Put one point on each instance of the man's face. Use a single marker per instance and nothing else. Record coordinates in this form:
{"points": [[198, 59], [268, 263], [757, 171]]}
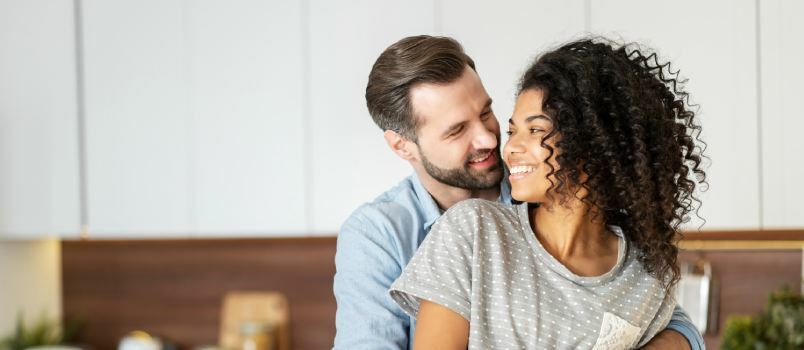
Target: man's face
{"points": [[458, 134]]}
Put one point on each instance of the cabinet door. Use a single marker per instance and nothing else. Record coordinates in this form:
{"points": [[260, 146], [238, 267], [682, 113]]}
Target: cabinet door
{"points": [[194, 118], [39, 182], [350, 163], [137, 117], [781, 54], [247, 138], [504, 40], [714, 45]]}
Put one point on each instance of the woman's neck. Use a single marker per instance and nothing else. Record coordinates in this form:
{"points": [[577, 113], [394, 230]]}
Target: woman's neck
{"points": [[571, 235]]}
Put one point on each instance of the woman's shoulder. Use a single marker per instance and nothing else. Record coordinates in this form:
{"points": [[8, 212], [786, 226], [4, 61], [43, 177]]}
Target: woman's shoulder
{"points": [[474, 216], [475, 207], [636, 272], [473, 211]]}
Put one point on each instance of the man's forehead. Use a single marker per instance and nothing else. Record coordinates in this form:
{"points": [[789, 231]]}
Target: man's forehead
{"points": [[441, 102]]}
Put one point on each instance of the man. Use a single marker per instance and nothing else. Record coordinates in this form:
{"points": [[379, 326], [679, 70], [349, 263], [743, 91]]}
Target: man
{"points": [[426, 96]]}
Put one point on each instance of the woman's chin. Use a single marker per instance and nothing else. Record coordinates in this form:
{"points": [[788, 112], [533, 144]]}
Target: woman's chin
{"points": [[524, 196]]}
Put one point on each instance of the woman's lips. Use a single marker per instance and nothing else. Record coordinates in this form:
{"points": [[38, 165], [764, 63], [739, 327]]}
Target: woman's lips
{"points": [[520, 171], [515, 177]]}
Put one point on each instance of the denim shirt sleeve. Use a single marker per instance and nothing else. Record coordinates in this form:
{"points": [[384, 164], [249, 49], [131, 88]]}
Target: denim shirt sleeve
{"points": [[367, 317], [680, 322]]}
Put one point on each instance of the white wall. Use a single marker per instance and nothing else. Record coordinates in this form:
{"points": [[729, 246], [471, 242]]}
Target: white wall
{"points": [[244, 118], [30, 282], [502, 43], [782, 157], [39, 167], [137, 127], [349, 161], [720, 63], [194, 118]]}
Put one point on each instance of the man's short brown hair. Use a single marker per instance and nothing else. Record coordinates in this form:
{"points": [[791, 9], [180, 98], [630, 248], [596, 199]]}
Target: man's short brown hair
{"points": [[408, 62]]}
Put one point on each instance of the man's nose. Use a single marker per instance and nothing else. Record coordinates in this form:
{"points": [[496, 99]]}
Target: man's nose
{"points": [[485, 139]]}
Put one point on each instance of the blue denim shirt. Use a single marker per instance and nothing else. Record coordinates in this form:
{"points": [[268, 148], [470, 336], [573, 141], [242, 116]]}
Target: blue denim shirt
{"points": [[374, 245]]}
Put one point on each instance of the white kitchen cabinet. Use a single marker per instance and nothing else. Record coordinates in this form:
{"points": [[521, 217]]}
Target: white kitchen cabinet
{"points": [[247, 124], [137, 118], [781, 54], [714, 45], [194, 118], [209, 118], [504, 38], [350, 162], [39, 181]]}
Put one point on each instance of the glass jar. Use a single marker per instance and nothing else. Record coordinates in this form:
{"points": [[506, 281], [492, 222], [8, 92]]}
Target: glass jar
{"points": [[257, 336]]}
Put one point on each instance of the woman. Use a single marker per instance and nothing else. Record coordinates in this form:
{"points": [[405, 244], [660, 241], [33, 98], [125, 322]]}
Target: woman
{"points": [[603, 152]]}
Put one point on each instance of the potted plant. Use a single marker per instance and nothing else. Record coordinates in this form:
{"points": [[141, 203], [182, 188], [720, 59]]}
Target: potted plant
{"points": [[43, 332], [779, 327]]}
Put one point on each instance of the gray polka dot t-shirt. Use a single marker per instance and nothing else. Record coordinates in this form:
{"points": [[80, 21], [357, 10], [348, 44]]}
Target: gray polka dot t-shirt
{"points": [[482, 260]]}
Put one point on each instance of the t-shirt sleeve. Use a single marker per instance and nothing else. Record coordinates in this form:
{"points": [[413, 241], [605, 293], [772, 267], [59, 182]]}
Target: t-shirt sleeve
{"points": [[441, 270], [660, 320]]}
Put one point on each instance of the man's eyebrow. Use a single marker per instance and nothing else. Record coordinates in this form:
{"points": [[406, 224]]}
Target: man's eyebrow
{"points": [[453, 128], [531, 118], [457, 125]]}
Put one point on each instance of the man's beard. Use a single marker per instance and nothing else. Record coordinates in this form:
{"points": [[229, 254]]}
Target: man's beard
{"points": [[465, 177]]}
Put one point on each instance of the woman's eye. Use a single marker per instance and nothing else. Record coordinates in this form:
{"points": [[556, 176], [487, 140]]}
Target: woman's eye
{"points": [[535, 130], [509, 132]]}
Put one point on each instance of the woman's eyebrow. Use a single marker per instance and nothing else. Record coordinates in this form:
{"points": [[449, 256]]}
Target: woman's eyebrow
{"points": [[531, 118]]}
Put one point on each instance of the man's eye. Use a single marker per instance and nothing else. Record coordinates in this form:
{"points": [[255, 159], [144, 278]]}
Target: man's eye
{"points": [[456, 131], [485, 115]]}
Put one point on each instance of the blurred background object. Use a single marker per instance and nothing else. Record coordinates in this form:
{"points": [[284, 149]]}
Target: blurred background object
{"points": [[140, 340], [178, 288], [255, 321], [694, 292], [42, 334], [780, 325]]}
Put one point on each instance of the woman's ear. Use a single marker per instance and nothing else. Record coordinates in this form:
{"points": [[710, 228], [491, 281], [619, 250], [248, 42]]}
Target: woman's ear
{"points": [[400, 145]]}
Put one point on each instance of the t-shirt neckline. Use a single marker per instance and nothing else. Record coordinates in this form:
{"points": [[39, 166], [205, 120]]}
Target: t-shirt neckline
{"points": [[545, 257]]}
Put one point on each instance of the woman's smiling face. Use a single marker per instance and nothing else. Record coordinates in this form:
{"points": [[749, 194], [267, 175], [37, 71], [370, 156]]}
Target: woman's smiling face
{"points": [[524, 153]]}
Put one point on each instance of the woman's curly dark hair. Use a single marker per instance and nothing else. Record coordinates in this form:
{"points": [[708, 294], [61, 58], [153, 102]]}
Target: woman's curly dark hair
{"points": [[623, 119]]}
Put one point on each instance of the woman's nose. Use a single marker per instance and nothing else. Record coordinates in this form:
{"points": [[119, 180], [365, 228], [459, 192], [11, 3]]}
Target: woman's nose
{"points": [[512, 145]]}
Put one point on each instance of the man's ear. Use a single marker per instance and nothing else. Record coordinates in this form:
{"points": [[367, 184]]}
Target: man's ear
{"points": [[400, 145]]}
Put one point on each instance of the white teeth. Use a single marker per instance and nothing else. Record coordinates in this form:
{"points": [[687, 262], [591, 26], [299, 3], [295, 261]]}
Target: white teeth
{"points": [[521, 169], [480, 159]]}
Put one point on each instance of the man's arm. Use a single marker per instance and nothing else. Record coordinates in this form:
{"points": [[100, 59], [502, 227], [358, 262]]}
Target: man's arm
{"points": [[666, 340], [679, 334], [367, 317]]}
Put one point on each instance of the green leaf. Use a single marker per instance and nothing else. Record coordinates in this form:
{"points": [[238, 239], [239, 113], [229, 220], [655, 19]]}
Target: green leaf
{"points": [[42, 332], [780, 326]]}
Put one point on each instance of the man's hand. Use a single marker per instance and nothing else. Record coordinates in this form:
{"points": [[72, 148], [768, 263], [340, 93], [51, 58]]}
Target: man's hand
{"points": [[668, 339]]}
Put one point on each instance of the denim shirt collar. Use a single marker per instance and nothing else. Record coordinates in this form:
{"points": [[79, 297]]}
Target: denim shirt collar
{"points": [[430, 209], [505, 189], [428, 206]]}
